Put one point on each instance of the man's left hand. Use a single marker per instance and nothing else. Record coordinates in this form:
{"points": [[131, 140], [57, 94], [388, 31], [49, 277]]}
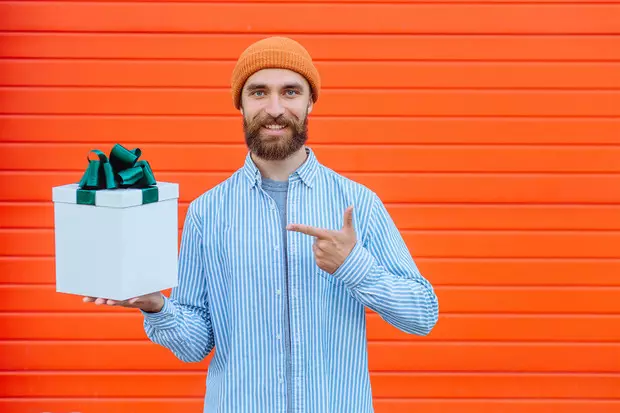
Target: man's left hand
{"points": [[330, 247]]}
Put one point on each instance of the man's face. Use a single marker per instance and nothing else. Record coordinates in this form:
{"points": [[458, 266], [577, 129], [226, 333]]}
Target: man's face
{"points": [[275, 106]]}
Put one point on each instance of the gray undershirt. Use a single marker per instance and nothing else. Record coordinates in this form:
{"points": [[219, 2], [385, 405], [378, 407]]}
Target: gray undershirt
{"points": [[278, 191]]}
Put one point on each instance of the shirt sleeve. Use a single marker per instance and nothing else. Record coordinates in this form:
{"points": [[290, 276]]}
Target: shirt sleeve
{"points": [[183, 325], [383, 276]]}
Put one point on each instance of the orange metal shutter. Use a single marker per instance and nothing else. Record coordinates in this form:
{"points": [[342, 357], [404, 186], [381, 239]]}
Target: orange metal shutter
{"points": [[490, 129]]}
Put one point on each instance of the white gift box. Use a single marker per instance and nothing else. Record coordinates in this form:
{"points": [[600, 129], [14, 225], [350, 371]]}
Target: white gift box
{"points": [[119, 247]]}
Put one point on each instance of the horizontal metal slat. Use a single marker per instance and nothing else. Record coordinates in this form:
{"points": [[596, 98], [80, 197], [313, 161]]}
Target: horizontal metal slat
{"points": [[362, 75], [463, 327], [454, 272], [39, 215], [341, 158], [385, 385], [441, 405], [390, 187], [316, 18], [371, 102], [471, 299], [438, 244], [322, 47], [354, 130], [385, 356]]}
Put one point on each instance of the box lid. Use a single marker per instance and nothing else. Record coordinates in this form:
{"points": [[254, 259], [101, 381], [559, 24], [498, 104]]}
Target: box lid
{"points": [[114, 198]]}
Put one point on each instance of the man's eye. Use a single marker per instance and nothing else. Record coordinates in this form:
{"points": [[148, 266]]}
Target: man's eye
{"points": [[291, 92]]}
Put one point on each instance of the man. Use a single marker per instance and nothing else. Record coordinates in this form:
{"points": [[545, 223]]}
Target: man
{"points": [[278, 262]]}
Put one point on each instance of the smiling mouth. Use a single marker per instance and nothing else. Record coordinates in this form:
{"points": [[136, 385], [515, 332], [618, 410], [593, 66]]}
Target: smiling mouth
{"points": [[274, 127]]}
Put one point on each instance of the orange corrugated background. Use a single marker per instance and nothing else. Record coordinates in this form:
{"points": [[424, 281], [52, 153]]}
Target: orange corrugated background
{"points": [[491, 130]]}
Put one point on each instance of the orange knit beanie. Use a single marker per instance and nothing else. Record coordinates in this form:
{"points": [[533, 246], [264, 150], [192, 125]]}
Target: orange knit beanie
{"points": [[274, 52]]}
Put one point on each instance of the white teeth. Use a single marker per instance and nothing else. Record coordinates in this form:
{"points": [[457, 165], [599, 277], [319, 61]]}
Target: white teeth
{"points": [[274, 127]]}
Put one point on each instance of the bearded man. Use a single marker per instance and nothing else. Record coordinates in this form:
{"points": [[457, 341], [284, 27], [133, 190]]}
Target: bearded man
{"points": [[279, 262]]}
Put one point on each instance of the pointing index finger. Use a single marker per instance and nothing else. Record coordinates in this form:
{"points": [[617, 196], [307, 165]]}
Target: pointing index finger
{"points": [[308, 230]]}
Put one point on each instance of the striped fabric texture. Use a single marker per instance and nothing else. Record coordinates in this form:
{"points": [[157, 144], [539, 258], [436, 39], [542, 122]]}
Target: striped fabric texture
{"points": [[233, 296]]}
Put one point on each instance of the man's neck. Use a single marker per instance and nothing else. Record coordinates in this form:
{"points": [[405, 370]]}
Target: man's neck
{"points": [[280, 170]]}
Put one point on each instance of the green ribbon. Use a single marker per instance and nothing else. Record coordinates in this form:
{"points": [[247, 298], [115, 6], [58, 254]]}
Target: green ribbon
{"points": [[121, 170]]}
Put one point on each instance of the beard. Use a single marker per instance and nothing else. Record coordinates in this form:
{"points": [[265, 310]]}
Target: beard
{"points": [[275, 148]]}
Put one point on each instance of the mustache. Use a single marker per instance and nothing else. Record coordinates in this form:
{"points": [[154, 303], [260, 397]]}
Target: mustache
{"points": [[265, 119], [280, 120]]}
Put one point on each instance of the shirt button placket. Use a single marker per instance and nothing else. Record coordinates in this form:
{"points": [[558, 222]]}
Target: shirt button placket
{"points": [[276, 248], [293, 302]]}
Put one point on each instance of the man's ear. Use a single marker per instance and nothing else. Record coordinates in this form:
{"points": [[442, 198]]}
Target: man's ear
{"points": [[310, 106]]}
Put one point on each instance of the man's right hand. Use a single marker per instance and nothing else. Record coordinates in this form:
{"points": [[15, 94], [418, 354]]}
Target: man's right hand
{"points": [[151, 303]]}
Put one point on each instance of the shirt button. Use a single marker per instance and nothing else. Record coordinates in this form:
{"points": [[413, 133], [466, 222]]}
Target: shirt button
{"points": [[278, 292], [277, 247], [279, 336], [281, 381]]}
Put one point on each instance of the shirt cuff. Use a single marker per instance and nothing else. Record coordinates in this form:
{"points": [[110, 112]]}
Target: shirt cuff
{"points": [[164, 318], [356, 266]]}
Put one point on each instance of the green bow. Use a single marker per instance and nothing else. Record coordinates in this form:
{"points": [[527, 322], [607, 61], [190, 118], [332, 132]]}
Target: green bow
{"points": [[122, 170]]}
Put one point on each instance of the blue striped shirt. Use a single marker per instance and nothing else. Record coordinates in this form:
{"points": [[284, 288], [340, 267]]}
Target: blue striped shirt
{"points": [[235, 296]]}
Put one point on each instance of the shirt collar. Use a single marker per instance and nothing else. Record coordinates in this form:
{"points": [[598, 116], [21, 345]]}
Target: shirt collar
{"points": [[305, 173]]}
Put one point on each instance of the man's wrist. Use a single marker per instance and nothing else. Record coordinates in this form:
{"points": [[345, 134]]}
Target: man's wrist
{"points": [[155, 306], [164, 318]]}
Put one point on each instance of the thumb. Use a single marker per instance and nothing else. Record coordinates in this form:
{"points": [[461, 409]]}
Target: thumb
{"points": [[348, 220]]}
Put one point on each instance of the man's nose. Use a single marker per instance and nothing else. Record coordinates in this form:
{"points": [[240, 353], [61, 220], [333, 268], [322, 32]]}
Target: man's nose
{"points": [[274, 107]]}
